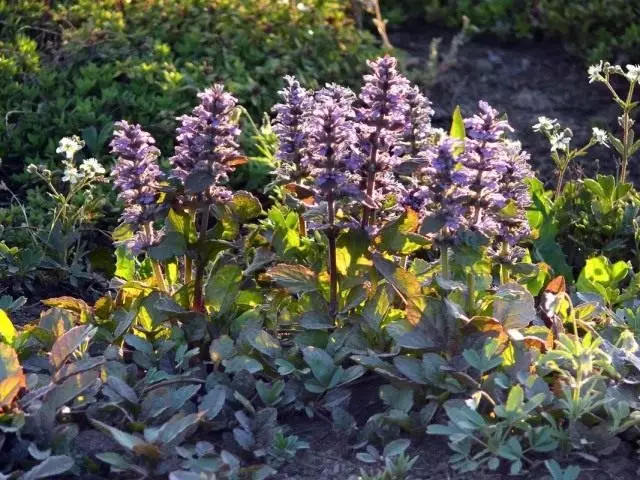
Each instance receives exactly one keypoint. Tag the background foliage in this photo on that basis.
(593, 29)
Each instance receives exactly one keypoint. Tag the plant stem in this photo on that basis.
(201, 261)
(333, 263)
(560, 180)
(504, 271)
(471, 293)
(371, 182)
(157, 271)
(188, 261)
(626, 127)
(444, 262)
(302, 226)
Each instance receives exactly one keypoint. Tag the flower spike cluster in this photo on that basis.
(136, 173)
(417, 130)
(137, 176)
(288, 126)
(330, 133)
(207, 140)
(382, 117)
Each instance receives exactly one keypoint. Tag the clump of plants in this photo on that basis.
(384, 249)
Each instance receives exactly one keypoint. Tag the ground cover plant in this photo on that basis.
(432, 263)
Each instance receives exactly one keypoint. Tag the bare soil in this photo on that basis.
(524, 81)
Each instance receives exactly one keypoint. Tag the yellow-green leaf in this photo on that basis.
(7, 330)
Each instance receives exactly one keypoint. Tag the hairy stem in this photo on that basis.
(471, 293)
(560, 181)
(333, 263)
(371, 183)
(201, 262)
(626, 128)
(157, 271)
(444, 261)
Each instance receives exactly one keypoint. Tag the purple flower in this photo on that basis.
(438, 197)
(288, 126)
(418, 126)
(382, 120)
(330, 133)
(136, 172)
(143, 239)
(207, 140)
(382, 114)
(513, 220)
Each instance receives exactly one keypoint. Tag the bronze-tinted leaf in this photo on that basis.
(69, 343)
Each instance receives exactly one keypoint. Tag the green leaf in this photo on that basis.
(125, 264)
(52, 466)
(213, 402)
(222, 289)
(71, 388)
(316, 321)
(242, 362)
(7, 330)
(122, 389)
(350, 247)
(398, 235)
(245, 206)
(69, 343)
(11, 376)
(263, 342)
(178, 429)
(198, 181)
(514, 306)
(221, 349)
(321, 364)
(172, 245)
(457, 130)
(396, 447)
(375, 309)
(295, 278)
(124, 439)
(182, 223)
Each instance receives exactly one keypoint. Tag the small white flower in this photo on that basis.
(91, 167)
(600, 136)
(545, 125)
(32, 169)
(633, 73)
(595, 72)
(302, 7)
(560, 140)
(69, 146)
(72, 175)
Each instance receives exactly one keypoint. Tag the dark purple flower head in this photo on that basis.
(207, 139)
(330, 133)
(136, 172)
(288, 126)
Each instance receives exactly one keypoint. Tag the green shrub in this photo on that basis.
(83, 63)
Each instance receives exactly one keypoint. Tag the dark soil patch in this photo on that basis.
(525, 82)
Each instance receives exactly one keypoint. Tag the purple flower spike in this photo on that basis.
(136, 172)
(418, 127)
(288, 126)
(382, 113)
(143, 239)
(207, 139)
(330, 134)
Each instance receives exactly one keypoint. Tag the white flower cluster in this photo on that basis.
(558, 138)
(69, 146)
(600, 71)
(600, 136)
(89, 168)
